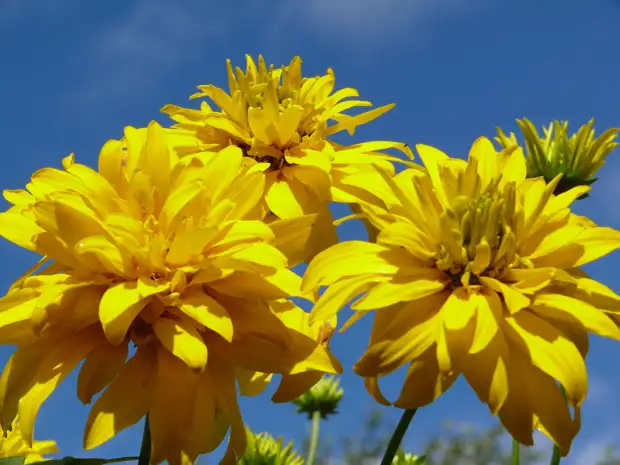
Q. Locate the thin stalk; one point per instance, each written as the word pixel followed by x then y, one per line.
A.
pixel 397 436
pixel 145 448
pixel 121 459
pixel 314 438
pixel 515 452
pixel 555 458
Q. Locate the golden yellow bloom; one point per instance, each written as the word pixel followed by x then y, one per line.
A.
pixel 476 271
pixel 577 157
pixel 12 444
pixel 280 120
pixel 163 255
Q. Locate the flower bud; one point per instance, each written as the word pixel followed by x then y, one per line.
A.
pixel 577 157
pixel 405 458
pixel 263 449
pixel 323 397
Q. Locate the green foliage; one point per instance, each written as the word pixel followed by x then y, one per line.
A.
pixel 263 449
pixel 67 461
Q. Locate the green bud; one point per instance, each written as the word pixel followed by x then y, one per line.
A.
pixel 403 458
pixel 263 449
pixel 323 397
pixel 577 157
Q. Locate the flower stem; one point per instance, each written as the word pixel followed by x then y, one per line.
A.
pixel 121 459
pixel 397 436
pixel 555 458
pixel 515 452
pixel 314 438
pixel 145 448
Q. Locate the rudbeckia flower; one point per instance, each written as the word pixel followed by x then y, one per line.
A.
pixel 476 272
pixel 12 444
pixel 281 121
pixel 577 157
pixel 161 261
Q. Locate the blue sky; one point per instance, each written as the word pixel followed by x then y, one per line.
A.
pixel 75 73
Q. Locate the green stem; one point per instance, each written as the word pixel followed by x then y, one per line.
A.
pixel 145 448
pixel 121 459
pixel 314 438
pixel 397 436
pixel 555 458
pixel 515 452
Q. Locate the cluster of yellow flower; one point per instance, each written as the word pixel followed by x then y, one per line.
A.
pixel 167 271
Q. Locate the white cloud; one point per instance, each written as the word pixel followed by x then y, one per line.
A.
pixel 368 19
pixel 152 39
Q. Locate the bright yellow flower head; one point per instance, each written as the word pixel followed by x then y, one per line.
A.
pixel 281 120
pixel 13 445
pixel 164 256
pixel 475 272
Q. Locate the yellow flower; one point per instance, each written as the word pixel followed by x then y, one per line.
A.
pixel 577 157
pixel 311 354
pixel 166 256
pixel 280 120
pixel 476 272
pixel 13 445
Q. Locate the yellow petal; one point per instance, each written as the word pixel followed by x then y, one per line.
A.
pixel 252 383
pixel 19 229
pixel 371 384
pixel 456 339
pixel 16 309
pixel 124 402
pixel 432 159
pixel 414 285
pixel 183 341
pixel 293 386
pixel 323 234
pixel 339 294
pixel 55 366
pixel 486 372
pixel 424 382
pixel 292 235
pixel 279 284
pixel 289 198
pixel 488 316
pixel 315 179
pixel 170 417
pixel 207 311
pixel 119 306
pixel 576 312
pixel 514 299
pixel 549 350
pixel 487 159
pixel 352 258
pixel 177 201
pixel 101 366
pixel 400 334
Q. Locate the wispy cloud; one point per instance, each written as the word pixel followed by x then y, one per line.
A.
pixel 370 20
pixel 152 39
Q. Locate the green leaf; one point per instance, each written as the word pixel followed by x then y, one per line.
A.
pixel 72 461
pixel 12 460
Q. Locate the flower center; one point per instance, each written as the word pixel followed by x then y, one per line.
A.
pixel 478 235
